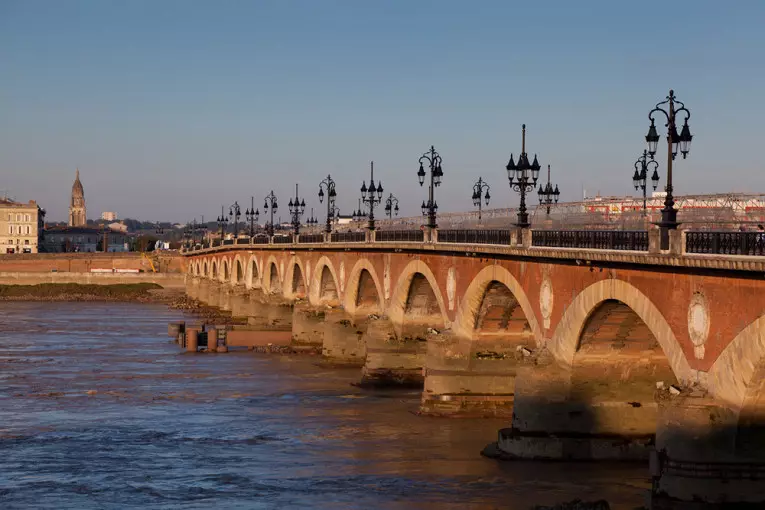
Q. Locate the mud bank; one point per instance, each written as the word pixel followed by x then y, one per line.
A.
pixel 135 292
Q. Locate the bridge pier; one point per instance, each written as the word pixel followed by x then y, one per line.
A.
pixel 213 295
pixel 239 299
pixel 203 291
pixel 308 326
pixel 225 297
pixel 394 360
pixel 192 287
pixel 344 338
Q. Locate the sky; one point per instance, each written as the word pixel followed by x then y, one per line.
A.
pixel 173 108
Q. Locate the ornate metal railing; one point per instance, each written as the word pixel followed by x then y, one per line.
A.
pixel 282 239
pixel 725 243
pixel 634 240
pixel 501 237
pixel 310 238
pixel 348 237
pixel 260 240
pixel 400 236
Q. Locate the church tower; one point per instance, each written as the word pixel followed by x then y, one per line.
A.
pixel 77 216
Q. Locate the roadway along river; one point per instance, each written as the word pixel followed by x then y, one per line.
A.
pixel 99 410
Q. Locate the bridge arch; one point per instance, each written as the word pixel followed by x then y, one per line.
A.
pixel 474 307
pixel 324 287
pixel 205 269
pixel 252 278
pixel 733 376
pixel 225 270
pixel 238 273
pixel 568 334
pixel 296 278
pixel 272 280
pixel 363 291
pixel 411 297
pixel 214 270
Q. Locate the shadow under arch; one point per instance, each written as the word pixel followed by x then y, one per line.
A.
pixel 214 270
pixel 271 271
pixel 295 278
pixel 565 341
pixel 350 303
pixel 237 271
pixel 472 300
pixel 252 273
pixel 315 296
pixel 400 297
pixel 733 373
pixel 225 270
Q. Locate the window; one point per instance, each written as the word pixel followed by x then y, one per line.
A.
pixel 18 217
pixel 29 230
pixel 10 217
pixel 26 218
pixel 10 229
pixel 26 241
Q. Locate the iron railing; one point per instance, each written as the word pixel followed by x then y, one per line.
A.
pixel 633 240
pixel 489 236
pixel 310 238
pixel 260 240
pixel 282 239
pixel 400 236
pixel 725 243
pixel 348 237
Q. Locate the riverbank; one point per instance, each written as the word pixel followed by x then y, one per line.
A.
pixel 140 292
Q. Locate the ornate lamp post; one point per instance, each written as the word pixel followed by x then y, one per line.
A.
pixel 358 214
pixel 391 206
pixel 640 176
pixel 548 195
pixel 329 185
pixel 297 208
pixel 234 213
pixel 480 192
pixel 675 141
pixel 270 204
pixel 436 174
pixel 371 196
pixel 312 221
pixel 222 223
pixel 252 215
pixel 523 178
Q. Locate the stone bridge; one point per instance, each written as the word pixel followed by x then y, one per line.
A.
pixel 592 353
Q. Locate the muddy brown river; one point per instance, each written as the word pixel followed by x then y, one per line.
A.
pixel 99 410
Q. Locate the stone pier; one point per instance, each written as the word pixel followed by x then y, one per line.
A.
pixel 240 301
pixel 308 326
pixel 344 338
pixel 393 360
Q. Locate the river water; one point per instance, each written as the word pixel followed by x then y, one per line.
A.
pixel 99 410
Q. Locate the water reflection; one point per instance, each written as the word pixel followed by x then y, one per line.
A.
pixel 99 410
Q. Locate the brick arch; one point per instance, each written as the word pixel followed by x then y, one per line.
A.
pixel 732 377
pixel 224 270
pixel 238 271
pixel 320 281
pixel 271 269
pixel 400 296
pixel 565 341
pixel 360 268
pixel 472 301
pixel 252 273
pixel 206 269
pixel 295 279
pixel 214 268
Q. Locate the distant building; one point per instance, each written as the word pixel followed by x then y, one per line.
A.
pixel 118 227
pixel 77 214
pixel 21 227
pixel 84 240
pixel 109 215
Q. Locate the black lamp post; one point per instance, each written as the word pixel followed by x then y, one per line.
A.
pixel 391 206
pixel 234 213
pixel 297 208
pixel 271 205
pixel 329 185
pixel 358 214
pixel 547 195
pixel 523 178
pixel 158 229
pixel 312 221
pixel 252 215
pixel 436 174
pixel 371 196
pixel 480 192
pixel 675 141
pixel 222 223
pixel 640 176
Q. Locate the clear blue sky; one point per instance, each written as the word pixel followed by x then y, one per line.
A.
pixel 171 108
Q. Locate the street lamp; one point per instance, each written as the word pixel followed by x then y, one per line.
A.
pixel 523 178
pixel 436 174
pixel 675 141
pixel 640 176
pixel 252 215
pixel 234 212
pixel 548 195
pixel 371 196
pixel 329 185
pixel 222 223
pixel 272 205
pixel 480 192
pixel 158 228
pixel 312 221
pixel 391 206
pixel 296 208
pixel 358 214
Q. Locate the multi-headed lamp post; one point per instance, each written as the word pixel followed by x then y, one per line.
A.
pixel 329 185
pixel 222 223
pixel 436 174
pixel 252 215
pixel 480 192
pixel 271 205
pixel 675 142
pixel 312 221
pixel 523 178
pixel 371 196
pixel 297 208
pixel 391 206
pixel 234 213
pixel 640 177
pixel 547 195
pixel 358 214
